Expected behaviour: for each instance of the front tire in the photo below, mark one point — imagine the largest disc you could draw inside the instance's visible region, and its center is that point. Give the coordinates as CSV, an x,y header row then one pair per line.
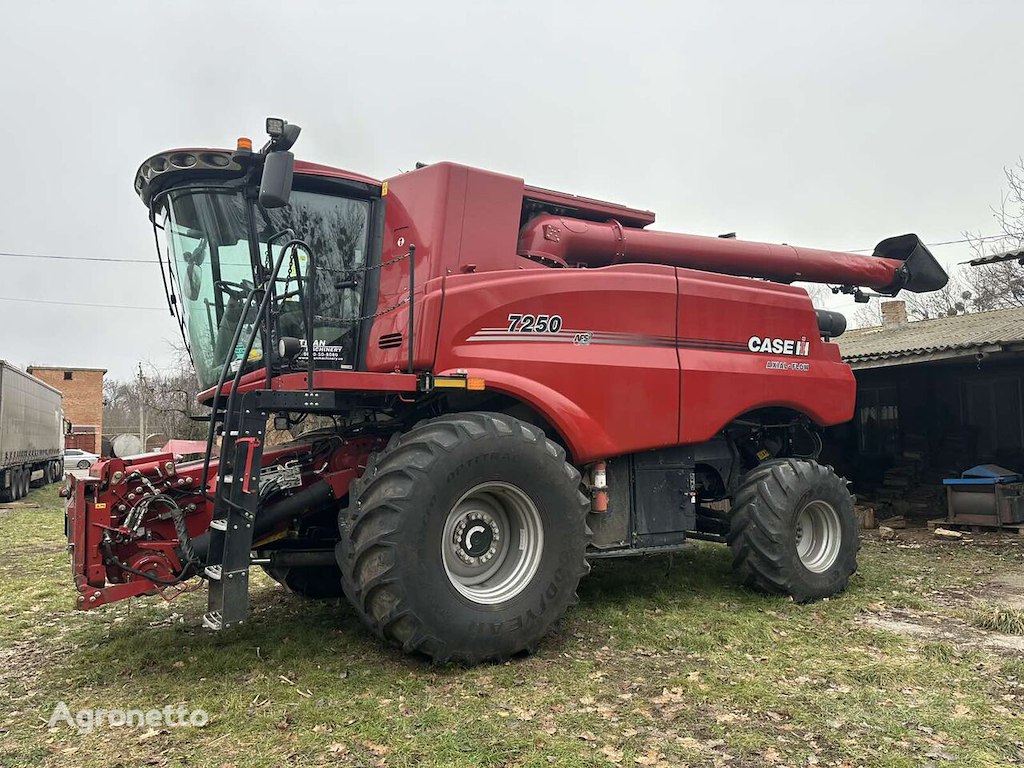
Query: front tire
x,y
465,538
793,530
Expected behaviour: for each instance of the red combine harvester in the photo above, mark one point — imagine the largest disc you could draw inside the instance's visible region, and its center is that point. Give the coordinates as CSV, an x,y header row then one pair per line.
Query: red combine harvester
x,y
489,385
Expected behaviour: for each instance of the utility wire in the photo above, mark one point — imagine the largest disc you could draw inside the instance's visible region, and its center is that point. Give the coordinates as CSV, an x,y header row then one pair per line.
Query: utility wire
x,y
16,255
81,304
944,242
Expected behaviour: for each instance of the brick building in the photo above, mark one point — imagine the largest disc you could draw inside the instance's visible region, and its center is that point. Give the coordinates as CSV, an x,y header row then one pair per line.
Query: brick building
x,y
83,402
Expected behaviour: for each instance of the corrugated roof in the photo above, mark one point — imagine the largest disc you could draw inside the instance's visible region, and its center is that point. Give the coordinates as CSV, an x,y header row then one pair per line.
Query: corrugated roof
x,y
960,332
997,257
64,368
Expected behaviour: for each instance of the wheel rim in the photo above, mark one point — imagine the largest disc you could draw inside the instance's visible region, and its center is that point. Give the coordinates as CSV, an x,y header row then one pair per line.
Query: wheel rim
x,y
818,536
492,543
83,464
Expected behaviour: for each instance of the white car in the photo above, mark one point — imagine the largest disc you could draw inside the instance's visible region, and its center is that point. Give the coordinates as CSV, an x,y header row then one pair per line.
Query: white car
x,y
73,457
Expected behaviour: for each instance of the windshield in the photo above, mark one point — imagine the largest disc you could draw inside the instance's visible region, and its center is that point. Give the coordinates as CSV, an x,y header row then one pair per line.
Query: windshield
x,y
206,230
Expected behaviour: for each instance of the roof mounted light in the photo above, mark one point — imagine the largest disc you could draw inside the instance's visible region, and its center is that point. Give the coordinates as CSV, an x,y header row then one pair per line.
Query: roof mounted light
x,y
282,134
168,168
275,126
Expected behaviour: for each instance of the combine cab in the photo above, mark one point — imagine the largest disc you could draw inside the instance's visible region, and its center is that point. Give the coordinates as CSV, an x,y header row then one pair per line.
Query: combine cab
x,y
482,386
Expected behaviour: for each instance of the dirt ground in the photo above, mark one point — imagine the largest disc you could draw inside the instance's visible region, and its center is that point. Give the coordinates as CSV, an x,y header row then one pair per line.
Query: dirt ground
x,y
992,589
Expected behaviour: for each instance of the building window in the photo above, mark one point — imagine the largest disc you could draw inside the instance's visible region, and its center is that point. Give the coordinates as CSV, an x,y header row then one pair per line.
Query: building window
x,y
68,375
878,421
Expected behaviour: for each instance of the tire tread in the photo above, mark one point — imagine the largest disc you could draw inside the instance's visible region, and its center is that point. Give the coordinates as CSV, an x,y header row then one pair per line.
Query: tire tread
x,y
759,527
384,493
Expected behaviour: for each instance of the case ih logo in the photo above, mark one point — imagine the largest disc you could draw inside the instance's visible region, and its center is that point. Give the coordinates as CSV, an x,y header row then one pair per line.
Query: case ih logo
x,y
800,348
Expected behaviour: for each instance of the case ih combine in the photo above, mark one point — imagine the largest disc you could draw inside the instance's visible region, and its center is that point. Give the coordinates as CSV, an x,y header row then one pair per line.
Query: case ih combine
x,y
490,385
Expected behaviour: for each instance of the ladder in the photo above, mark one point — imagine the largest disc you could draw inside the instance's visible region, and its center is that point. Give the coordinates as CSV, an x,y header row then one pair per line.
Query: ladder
x,y
235,505
236,499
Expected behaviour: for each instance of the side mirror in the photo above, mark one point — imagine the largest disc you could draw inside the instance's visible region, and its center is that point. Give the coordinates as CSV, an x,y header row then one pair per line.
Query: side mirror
x,y
276,185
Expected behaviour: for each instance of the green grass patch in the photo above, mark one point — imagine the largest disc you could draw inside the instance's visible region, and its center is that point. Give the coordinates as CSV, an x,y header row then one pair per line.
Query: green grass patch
x,y
997,618
666,661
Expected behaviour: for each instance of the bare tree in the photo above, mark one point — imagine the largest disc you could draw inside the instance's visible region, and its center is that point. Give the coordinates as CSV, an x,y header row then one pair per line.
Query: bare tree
x,y
999,285
1010,214
975,289
168,398
955,298
169,395
868,315
818,292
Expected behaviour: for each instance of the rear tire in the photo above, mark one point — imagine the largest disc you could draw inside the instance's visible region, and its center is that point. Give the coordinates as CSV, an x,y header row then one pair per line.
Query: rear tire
x,y
793,530
465,538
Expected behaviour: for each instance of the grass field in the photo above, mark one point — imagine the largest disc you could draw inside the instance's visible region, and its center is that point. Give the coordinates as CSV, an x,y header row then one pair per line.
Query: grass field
x,y
665,662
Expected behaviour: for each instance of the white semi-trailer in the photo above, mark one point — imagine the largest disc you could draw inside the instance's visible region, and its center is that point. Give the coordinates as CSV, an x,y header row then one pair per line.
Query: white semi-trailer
x,y
31,433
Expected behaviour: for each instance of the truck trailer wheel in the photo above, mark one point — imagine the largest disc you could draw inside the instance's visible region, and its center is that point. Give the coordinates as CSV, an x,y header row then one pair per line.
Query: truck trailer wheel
x,y
793,530
465,538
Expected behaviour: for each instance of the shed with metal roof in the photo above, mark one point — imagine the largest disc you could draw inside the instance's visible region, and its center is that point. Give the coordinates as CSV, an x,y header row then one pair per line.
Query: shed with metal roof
x,y
934,397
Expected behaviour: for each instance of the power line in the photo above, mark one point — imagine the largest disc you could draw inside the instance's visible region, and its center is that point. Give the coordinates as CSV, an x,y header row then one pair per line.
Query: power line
x,y
81,304
18,255
944,242
971,239
13,254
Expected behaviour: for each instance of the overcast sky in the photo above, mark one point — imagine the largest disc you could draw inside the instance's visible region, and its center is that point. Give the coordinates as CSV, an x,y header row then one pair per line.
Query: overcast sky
x,y
814,123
